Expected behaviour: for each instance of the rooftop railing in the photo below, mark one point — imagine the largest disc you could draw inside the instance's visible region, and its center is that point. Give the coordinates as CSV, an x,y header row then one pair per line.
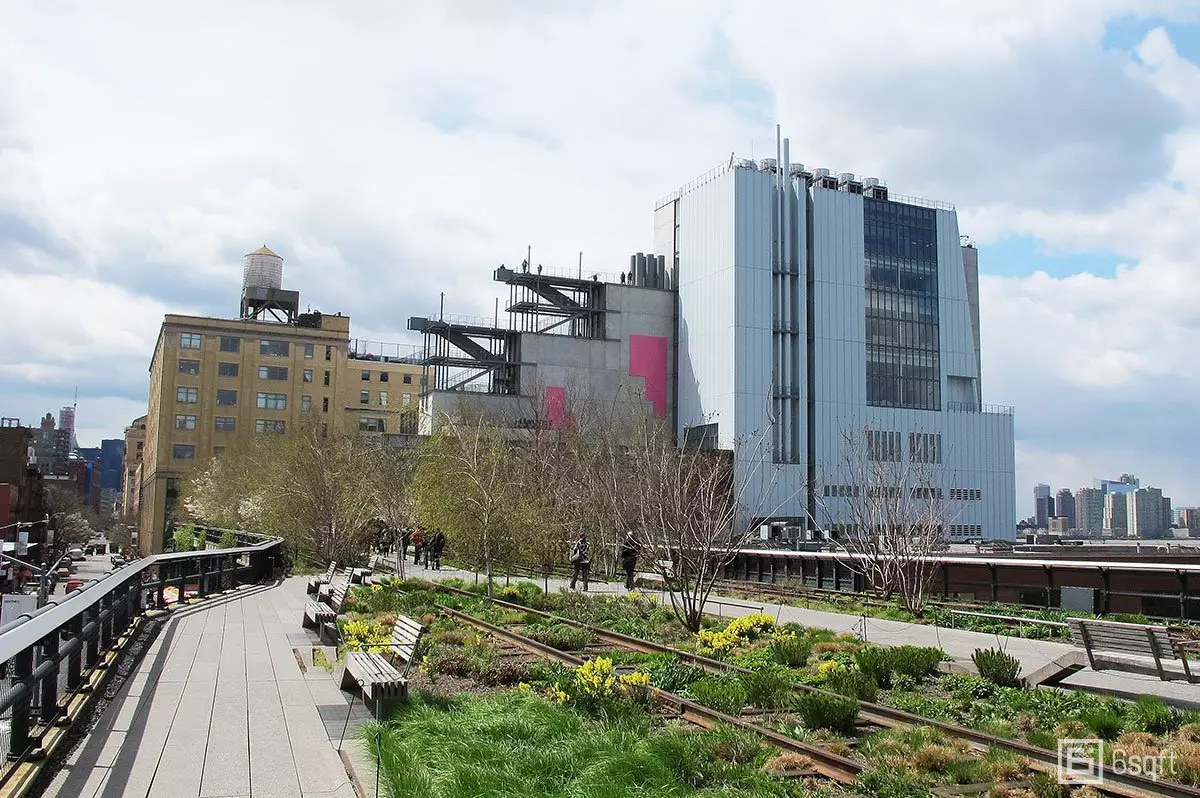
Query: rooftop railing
x,y
971,407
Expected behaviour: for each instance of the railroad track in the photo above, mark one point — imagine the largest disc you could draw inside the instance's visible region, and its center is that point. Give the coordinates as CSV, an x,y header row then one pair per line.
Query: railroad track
x,y
1123,784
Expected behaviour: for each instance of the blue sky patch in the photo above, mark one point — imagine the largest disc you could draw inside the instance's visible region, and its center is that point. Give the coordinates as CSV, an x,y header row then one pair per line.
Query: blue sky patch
x,y
1020,256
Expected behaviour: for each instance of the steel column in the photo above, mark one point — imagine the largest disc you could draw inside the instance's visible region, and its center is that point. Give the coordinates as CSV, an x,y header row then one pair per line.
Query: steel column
x,y
49,698
18,740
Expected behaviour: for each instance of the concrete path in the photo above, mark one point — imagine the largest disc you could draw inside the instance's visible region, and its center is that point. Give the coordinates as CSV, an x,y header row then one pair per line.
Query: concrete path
x,y
219,707
958,643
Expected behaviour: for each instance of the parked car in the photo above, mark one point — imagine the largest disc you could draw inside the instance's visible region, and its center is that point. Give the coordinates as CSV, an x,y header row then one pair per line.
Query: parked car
x,y
77,554
117,560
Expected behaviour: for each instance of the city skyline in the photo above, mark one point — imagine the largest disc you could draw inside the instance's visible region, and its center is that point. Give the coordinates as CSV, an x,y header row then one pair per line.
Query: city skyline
x,y
358,175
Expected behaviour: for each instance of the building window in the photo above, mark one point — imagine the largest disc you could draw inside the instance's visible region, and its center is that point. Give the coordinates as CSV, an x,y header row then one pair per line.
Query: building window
x,y
383,376
274,348
406,399
364,397
225,423
966,494
308,375
231,343
370,425
325,404
272,401
883,446
308,351
924,447
408,379
227,369
306,403
189,340
185,422
189,366
269,425
383,398
327,378
226,398
187,396
183,451
366,376
329,353
901,279
272,372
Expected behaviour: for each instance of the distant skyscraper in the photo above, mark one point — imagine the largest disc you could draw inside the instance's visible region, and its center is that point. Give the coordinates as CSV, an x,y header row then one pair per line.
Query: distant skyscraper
x,y
1042,505
1064,507
1144,511
1089,511
1126,484
1116,519
66,423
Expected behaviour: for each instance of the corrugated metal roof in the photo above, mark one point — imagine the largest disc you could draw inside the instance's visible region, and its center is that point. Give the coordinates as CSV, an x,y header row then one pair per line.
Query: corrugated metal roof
x,y
263,250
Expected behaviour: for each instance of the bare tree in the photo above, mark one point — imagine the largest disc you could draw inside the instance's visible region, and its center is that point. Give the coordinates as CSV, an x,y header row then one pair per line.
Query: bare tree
x,y
889,512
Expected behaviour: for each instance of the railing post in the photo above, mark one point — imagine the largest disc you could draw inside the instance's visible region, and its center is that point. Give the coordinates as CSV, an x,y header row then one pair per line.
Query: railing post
x,y
163,570
202,585
18,739
93,643
75,660
106,624
49,702
221,573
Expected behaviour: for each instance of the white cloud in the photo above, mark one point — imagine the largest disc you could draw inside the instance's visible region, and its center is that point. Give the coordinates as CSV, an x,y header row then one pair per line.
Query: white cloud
x,y
394,151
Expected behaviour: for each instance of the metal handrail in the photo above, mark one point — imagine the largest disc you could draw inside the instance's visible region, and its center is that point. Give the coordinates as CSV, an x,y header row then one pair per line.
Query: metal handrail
x,y
1013,618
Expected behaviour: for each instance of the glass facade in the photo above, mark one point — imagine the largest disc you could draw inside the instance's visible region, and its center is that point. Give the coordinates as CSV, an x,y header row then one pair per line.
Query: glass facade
x,y
903,357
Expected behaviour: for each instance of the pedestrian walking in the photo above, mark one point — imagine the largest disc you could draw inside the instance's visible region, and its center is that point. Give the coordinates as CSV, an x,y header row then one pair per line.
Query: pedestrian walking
x,y
418,541
439,544
581,561
629,557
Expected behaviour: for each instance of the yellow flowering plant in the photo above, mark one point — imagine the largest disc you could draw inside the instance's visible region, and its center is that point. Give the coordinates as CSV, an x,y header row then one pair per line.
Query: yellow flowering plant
x,y
740,631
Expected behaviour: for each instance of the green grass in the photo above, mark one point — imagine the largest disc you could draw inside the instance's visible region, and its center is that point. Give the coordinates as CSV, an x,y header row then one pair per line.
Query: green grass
x,y
517,744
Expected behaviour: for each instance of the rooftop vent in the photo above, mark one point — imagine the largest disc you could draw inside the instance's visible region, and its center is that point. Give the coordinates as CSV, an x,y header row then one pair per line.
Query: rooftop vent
x,y
875,188
768,164
848,183
797,170
746,163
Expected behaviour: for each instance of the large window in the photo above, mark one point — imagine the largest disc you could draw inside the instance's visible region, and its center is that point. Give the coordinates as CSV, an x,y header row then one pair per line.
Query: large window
x,y
324,404
227,369
366,376
269,425
308,351
408,379
189,340
231,343
187,396
903,355
272,401
225,424
383,376
306,403
189,366
364,397
274,348
272,372
383,398
226,398
327,378
185,422
308,375
183,451
370,425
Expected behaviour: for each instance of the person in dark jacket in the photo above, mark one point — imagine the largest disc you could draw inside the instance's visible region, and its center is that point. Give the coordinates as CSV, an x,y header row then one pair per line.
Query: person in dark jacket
x,y
581,561
629,556
437,545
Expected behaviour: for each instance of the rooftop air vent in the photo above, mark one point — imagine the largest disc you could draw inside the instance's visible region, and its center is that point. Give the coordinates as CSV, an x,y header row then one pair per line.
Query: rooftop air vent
x,y
847,183
823,179
746,163
797,170
768,164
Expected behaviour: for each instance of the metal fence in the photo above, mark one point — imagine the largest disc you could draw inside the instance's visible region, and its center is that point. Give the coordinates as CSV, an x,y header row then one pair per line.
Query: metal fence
x,y
49,655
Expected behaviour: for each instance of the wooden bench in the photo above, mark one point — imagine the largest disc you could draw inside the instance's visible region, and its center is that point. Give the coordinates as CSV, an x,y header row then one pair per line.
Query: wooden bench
x,y
318,613
326,590
1158,643
315,583
378,675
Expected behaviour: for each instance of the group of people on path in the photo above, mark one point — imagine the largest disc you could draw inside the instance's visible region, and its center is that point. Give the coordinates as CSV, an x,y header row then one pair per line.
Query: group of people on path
x,y
581,559
431,546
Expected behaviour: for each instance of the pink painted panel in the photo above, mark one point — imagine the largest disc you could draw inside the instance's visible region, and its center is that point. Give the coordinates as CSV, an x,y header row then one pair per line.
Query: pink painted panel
x,y
648,360
556,407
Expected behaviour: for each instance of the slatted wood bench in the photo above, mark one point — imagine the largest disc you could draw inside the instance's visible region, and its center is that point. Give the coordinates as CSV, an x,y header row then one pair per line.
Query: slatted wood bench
x,y
318,613
1159,643
315,583
377,674
325,591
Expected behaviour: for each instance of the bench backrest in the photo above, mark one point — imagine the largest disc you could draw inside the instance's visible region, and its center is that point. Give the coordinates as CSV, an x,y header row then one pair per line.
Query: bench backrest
x,y
1125,638
406,635
329,572
337,596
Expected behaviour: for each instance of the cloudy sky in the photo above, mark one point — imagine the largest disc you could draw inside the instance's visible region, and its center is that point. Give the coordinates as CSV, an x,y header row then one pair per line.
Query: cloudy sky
x,y
393,150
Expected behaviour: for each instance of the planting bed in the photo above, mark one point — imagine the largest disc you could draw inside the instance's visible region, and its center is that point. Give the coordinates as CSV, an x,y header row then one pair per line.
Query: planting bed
x,y
802,690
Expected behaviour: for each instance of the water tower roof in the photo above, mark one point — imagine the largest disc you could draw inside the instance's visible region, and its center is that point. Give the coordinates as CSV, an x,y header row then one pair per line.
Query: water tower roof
x,y
263,250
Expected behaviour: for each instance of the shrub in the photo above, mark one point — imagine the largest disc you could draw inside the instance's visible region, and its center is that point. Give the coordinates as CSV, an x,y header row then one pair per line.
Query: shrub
x,y
1151,714
997,667
184,537
824,711
790,650
444,660
722,693
856,684
668,673
766,688
364,636
877,663
901,682
525,593
504,672
560,635
916,661
228,539
1103,723
891,784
